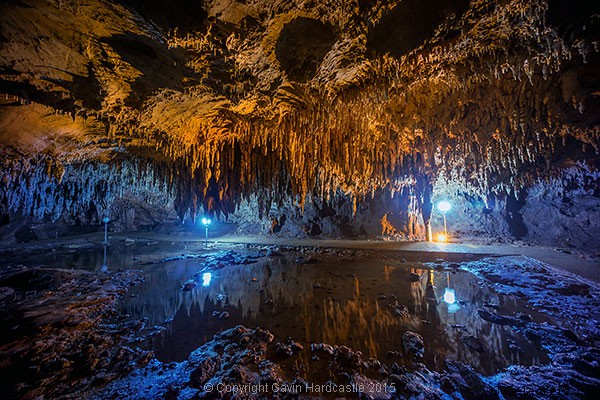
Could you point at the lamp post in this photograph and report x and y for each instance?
(105, 220)
(206, 223)
(444, 206)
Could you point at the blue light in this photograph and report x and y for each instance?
(444, 206)
(205, 221)
(449, 296)
(452, 308)
(206, 277)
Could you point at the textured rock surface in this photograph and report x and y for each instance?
(301, 103)
(61, 333)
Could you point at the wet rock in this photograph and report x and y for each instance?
(588, 363)
(473, 343)
(499, 319)
(76, 342)
(398, 369)
(399, 381)
(288, 348)
(322, 348)
(468, 382)
(297, 347)
(6, 294)
(447, 385)
(401, 311)
(413, 344)
(572, 289)
(273, 253)
(547, 382)
(222, 298)
(348, 358)
(189, 285)
(370, 388)
(491, 305)
(513, 345)
(224, 315)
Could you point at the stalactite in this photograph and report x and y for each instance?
(446, 100)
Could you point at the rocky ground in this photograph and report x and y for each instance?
(62, 333)
(64, 338)
(258, 365)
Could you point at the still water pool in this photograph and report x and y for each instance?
(366, 303)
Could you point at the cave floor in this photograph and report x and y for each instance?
(587, 268)
(583, 265)
(136, 319)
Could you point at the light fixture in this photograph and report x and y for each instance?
(105, 220)
(206, 277)
(206, 222)
(441, 237)
(444, 206)
(449, 296)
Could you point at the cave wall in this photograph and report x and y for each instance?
(341, 113)
(41, 199)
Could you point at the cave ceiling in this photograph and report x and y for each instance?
(303, 97)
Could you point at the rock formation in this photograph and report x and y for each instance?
(349, 117)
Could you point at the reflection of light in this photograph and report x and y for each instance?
(442, 237)
(452, 308)
(206, 277)
(449, 296)
(444, 206)
(205, 221)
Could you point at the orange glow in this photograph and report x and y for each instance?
(442, 237)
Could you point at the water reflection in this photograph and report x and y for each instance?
(206, 278)
(104, 266)
(137, 254)
(366, 305)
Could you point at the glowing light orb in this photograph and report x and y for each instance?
(449, 296)
(444, 206)
(205, 221)
(206, 277)
(442, 237)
